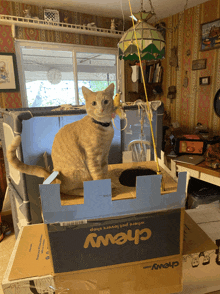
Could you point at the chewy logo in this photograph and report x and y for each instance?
(121, 238)
(157, 266)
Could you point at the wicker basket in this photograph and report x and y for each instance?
(51, 15)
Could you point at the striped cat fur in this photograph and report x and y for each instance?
(80, 149)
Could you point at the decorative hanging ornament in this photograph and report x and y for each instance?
(150, 41)
(54, 76)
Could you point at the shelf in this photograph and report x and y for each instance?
(57, 26)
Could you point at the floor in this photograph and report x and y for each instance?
(6, 248)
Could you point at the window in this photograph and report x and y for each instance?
(49, 77)
(95, 71)
(53, 74)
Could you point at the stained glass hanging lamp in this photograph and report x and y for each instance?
(150, 41)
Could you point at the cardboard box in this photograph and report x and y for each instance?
(111, 242)
(137, 236)
(30, 269)
(201, 263)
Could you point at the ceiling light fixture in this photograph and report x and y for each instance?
(144, 37)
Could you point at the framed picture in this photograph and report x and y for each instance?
(199, 64)
(8, 73)
(204, 81)
(210, 35)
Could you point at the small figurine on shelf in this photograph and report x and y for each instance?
(35, 19)
(112, 25)
(91, 26)
(66, 19)
(27, 13)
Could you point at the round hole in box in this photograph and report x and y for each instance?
(128, 176)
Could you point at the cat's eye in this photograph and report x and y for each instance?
(105, 101)
(93, 103)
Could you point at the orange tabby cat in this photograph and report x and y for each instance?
(80, 149)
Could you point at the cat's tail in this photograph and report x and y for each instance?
(19, 165)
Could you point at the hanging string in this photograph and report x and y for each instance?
(123, 16)
(126, 124)
(145, 90)
(180, 18)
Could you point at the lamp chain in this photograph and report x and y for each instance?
(142, 9)
(152, 9)
(180, 19)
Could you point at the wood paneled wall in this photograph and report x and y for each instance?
(195, 103)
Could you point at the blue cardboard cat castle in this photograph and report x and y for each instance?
(37, 128)
(142, 234)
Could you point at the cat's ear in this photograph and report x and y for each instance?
(86, 92)
(110, 89)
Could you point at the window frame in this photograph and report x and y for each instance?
(66, 47)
